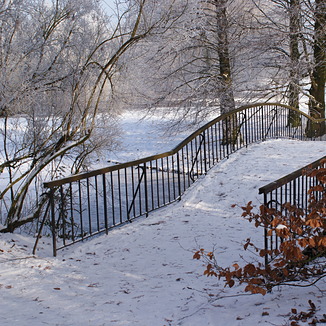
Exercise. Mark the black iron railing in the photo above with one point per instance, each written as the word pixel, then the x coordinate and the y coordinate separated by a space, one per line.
pixel 291 189
pixel 90 203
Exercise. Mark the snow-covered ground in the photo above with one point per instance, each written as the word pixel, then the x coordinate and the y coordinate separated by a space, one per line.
pixel 146 135
pixel 143 274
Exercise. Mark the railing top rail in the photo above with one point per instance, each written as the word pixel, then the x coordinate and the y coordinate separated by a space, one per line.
pixel 80 176
pixel 290 177
pixel 240 109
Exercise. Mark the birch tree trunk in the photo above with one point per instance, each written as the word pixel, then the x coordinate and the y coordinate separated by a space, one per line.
pixel 227 102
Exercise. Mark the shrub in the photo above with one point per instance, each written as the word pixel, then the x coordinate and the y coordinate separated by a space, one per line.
pixel 301 254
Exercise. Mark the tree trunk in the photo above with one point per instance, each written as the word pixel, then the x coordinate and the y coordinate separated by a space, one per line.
pixel 318 78
pixel 294 119
pixel 227 102
pixel 227 96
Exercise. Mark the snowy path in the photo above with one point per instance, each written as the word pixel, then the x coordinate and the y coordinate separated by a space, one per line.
pixel 144 274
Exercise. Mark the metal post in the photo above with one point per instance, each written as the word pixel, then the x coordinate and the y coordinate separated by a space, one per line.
pixel 105 204
pixel 265 234
pixel 179 174
pixel 205 151
pixel 54 237
pixel 146 190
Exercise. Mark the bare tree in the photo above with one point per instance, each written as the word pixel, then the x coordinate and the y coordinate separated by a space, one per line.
pixel 226 51
pixel 299 46
pixel 192 65
pixel 58 66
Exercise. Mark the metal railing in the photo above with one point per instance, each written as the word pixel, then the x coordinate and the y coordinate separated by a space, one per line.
pixel 291 189
pixel 90 203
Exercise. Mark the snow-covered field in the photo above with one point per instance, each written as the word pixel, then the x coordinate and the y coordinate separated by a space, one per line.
pixel 143 274
pixel 144 136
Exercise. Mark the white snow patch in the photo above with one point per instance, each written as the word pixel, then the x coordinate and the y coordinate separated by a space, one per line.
pixel 144 275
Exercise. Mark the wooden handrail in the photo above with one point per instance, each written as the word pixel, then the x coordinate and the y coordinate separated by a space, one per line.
pixel 80 176
pixel 288 178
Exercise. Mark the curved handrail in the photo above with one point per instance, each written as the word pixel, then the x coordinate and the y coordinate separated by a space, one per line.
pixel 89 203
pixel 80 176
pixel 242 108
pixel 293 189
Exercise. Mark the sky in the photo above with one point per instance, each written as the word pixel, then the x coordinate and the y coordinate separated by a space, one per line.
pixel 108 5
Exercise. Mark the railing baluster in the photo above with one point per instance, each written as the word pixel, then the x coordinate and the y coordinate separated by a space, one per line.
pixel 119 196
pixel 152 184
pixel 195 160
pixel 133 193
pixel 163 181
pixel 168 179
pixel 265 234
pixel 157 185
pixel 188 169
pixel 221 147
pixel 112 199
pixel 210 145
pixel 72 213
pixel 81 210
pixel 97 204
pixel 126 194
pixel 53 224
pixel 105 203
pixel 62 215
pixel 145 190
pixel 89 207
pixel 179 173
pixel 173 178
